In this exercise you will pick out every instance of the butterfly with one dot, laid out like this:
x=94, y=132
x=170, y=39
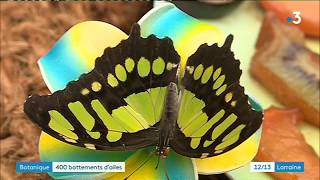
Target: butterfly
x=134, y=98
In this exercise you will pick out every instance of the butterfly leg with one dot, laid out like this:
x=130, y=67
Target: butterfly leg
x=124, y=146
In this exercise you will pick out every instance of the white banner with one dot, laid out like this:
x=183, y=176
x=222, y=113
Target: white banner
x=88, y=166
x=262, y=167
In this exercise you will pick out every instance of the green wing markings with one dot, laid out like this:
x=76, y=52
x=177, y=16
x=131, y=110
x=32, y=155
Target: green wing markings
x=106, y=117
x=194, y=123
x=218, y=82
x=214, y=115
x=221, y=89
x=216, y=74
x=129, y=64
x=199, y=132
x=94, y=135
x=127, y=120
x=185, y=98
x=80, y=112
x=195, y=142
x=235, y=132
x=228, y=97
x=121, y=72
x=138, y=117
x=85, y=91
x=148, y=104
x=207, y=143
x=61, y=125
x=112, y=81
x=192, y=120
x=197, y=122
x=143, y=67
x=114, y=128
x=142, y=104
x=223, y=126
x=84, y=117
x=190, y=107
x=198, y=72
x=231, y=138
x=96, y=86
x=141, y=113
x=207, y=75
x=158, y=66
x=114, y=136
x=158, y=97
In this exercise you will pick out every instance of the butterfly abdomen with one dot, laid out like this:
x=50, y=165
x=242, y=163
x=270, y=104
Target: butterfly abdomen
x=168, y=119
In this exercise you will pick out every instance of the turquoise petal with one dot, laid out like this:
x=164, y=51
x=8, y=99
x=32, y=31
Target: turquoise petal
x=53, y=150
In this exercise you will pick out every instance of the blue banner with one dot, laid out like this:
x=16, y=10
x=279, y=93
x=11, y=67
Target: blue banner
x=289, y=166
x=33, y=167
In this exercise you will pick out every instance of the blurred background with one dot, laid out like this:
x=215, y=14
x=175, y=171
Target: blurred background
x=29, y=30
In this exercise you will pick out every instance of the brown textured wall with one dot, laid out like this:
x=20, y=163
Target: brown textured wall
x=28, y=30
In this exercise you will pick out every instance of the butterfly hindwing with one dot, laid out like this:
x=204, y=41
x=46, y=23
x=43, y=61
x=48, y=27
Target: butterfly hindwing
x=116, y=106
x=214, y=115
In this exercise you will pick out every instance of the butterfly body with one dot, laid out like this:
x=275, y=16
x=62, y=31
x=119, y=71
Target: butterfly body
x=168, y=121
x=131, y=100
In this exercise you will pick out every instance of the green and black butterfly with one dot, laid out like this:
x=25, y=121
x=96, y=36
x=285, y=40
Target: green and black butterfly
x=133, y=99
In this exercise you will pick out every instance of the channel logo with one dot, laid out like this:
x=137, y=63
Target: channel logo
x=295, y=18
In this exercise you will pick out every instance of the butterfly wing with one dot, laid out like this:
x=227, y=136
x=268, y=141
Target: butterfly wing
x=214, y=114
x=116, y=106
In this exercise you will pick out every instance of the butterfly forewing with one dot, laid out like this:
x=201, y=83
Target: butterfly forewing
x=214, y=115
x=116, y=106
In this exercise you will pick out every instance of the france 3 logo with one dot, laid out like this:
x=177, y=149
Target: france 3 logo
x=296, y=19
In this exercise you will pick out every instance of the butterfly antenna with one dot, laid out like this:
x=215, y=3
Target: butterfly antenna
x=165, y=169
x=147, y=159
x=158, y=162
